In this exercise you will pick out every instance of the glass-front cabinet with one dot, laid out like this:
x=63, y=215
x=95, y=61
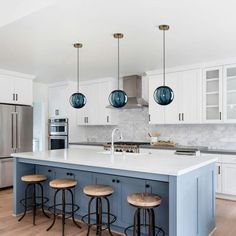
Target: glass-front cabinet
x=212, y=95
x=230, y=93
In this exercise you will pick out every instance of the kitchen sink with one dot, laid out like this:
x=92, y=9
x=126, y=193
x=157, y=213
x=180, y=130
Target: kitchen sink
x=121, y=153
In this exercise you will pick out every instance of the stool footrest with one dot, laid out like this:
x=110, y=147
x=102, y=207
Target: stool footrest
x=59, y=211
x=113, y=219
x=22, y=201
x=159, y=229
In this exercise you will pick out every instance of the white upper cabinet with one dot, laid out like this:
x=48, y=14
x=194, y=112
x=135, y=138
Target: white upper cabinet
x=16, y=90
x=95, y=112
x=212, y=95
x=186, y=106
x=229, y=98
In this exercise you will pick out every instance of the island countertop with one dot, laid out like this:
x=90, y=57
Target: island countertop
x=163, y=164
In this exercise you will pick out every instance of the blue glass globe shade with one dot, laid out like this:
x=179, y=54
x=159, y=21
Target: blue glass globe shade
x=77, y=100
x=163, y=95
x=118, y=98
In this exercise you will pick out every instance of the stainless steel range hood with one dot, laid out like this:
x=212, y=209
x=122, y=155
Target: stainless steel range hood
x=132, y=85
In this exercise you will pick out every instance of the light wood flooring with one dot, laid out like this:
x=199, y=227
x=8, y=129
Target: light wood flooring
x=9, y=226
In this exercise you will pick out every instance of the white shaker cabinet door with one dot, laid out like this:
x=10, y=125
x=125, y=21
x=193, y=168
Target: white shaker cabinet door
x=156, y=111
x=190, y=92
x=6, y=90
x=228, y=179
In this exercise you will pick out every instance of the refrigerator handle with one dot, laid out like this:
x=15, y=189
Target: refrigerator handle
x=12, y=133
x=17, y=132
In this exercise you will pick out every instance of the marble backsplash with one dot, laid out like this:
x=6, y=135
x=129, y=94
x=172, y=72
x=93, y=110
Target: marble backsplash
x=134, y=126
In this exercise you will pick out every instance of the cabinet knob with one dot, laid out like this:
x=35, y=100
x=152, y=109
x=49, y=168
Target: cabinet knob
x=147, y=186
x=113, y=181
x=117, y=181
x=49, y=170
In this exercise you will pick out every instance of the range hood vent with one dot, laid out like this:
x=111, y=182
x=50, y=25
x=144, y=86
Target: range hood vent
x=132, y=85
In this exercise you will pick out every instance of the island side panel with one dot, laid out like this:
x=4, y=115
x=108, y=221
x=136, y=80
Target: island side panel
x=192, y=202
x=20, y=169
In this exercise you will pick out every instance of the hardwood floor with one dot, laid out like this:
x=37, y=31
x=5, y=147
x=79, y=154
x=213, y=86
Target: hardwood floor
x=9, y=226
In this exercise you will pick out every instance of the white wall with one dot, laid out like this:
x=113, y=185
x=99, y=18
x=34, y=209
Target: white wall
x=40, y=98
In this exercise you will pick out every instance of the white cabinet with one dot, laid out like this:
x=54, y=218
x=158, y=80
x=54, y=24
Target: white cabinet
x=16, y=90
x=228, y=178
x=95, y=112
x=186, y=106
x=218, y=176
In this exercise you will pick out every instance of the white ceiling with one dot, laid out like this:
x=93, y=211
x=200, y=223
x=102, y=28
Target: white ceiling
x=40, y=43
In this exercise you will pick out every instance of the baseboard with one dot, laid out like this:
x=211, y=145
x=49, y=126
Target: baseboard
x=226, y=196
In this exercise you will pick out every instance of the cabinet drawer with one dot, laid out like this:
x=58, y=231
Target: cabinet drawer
x=228, y=159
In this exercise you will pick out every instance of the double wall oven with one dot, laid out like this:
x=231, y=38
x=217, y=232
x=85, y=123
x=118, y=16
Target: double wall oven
x=58, y=133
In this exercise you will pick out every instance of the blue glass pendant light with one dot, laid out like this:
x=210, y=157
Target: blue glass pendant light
x=163, y=95
x=118, y=98
x=77, y=100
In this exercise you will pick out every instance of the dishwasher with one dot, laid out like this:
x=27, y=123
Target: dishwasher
x=6, y=172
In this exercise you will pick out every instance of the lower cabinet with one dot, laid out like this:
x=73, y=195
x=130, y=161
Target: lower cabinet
x=228, y=178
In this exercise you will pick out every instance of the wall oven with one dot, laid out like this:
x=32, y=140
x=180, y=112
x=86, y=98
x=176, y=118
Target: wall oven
x=58, y=134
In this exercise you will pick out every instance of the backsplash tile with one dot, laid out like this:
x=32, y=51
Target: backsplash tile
x=134, y=126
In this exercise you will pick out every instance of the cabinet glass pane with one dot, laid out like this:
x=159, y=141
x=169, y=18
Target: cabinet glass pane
x=231, y=72
x=212, y=99
x=231, y=98
x=212, y=113
x=212, y=74
x=231, y=84
x=212, y=86
x=231, y=111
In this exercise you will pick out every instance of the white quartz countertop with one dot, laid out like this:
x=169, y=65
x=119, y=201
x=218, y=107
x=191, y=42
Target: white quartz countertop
x=165, y=164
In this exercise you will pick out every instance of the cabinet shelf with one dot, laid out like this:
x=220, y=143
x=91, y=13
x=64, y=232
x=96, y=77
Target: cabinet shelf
x=212, y=106
x=231, y=77
x=212, y=79
x=231, y=91
x=212, y=93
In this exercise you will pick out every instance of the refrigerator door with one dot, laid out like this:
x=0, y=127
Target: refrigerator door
x=24, y=129
x=7, y=136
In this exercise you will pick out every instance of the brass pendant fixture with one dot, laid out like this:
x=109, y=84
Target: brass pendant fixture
x=78, y=100
x=163, y=95
x=118, y=98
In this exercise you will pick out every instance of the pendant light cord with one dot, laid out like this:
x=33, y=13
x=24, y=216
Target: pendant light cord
x=78, y=69
x=164, y=59
x=118, y=71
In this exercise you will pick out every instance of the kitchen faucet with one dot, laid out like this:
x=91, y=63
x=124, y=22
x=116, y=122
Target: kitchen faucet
x=112, y=139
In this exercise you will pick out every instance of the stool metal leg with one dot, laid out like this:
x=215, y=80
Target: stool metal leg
x=99, y=216
x=63, y=212
x=54, y=210
x=89, y=211
x=137, y=231
x=73, y=207
x=25, y=210
x=151, y=215
x=108, y=216
x=34, y=203
x=42, y=200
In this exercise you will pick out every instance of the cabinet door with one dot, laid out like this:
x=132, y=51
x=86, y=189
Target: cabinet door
x=48, y=191
x=218, y=177
x=229, y=99
x=24, y=91
x=228, y=178
x=6, y=90
x=172, y=111
x=190, y=106
x=161, y=212
x=156, y=111
x=128, y=186
x=83, y=113
x=212, y=95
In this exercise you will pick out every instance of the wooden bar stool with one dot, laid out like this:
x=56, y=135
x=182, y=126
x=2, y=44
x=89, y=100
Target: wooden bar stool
x=33, y=181
x=63, y=185
x=99, y=192
x=145, y=202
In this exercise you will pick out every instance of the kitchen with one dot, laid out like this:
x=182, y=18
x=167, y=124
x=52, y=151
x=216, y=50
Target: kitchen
x=151, y=121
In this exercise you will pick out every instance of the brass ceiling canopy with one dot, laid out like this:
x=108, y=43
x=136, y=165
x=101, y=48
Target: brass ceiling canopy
x=164, y=27
x=78, y=45
x=118, y=35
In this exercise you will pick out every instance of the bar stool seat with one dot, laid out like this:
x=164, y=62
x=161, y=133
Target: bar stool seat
x=34, y=178
x=98, y=190
x=63, y=183
x=144, y=200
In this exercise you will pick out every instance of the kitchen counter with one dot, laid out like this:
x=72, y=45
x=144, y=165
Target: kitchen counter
x=200, y=148
x=185, y=183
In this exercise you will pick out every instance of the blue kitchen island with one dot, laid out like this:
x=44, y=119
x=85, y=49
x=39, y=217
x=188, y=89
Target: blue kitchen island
x=186, y=184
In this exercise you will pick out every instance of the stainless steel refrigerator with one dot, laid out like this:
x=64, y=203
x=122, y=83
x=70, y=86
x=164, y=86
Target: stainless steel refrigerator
x=16, y=135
